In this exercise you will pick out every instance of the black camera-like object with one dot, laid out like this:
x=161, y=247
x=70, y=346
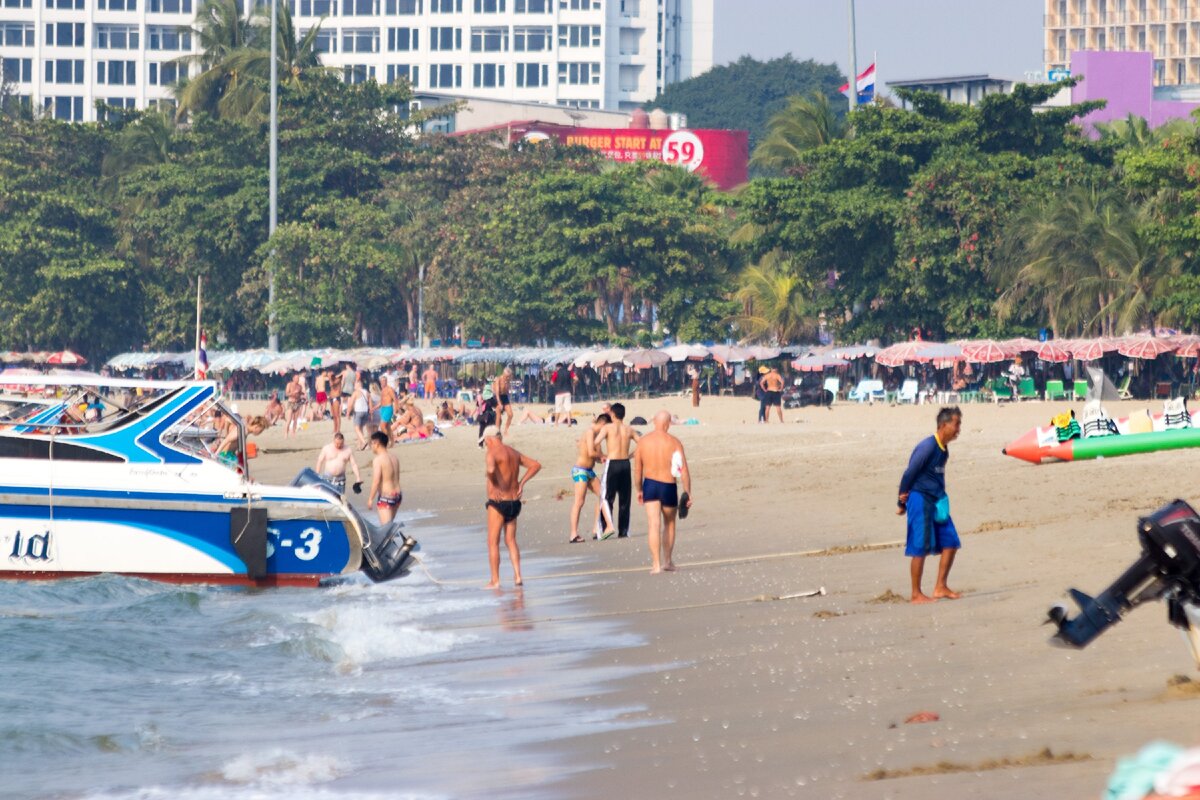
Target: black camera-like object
x=1168, y=569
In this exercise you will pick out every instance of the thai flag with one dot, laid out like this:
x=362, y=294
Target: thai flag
x=866, y=85
x=202, y=358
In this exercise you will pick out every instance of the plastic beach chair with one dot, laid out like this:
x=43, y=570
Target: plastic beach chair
x=876, y=391
x=1001, y=390
x=1055, y=390
x=1026, y=389
x=833, y=386
x=1123, y=390
x=908, y=392
x=1080, y=390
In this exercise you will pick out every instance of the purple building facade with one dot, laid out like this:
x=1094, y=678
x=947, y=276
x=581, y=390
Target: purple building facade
x=1126, y=81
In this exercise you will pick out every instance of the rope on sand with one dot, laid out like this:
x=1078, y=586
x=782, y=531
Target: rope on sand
x=716, y=562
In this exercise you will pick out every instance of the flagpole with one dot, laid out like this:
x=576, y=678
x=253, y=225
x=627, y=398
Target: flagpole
x=853, y=60
x=875, y=64
x=196, y=367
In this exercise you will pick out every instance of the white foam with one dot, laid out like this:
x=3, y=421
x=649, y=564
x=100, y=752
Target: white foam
x=250, y=793
x=279, y=767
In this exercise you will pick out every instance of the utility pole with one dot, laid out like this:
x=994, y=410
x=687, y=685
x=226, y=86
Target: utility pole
x=853, y=60
x=272, y=333
x=421, y=306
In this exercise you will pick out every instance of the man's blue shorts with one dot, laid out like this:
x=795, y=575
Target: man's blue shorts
x=927, y=536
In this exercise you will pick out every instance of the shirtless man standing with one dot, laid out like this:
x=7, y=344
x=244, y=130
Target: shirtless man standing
x=385, y=480
x=335, y=399
x=501, y=387
x=617, y=483
x=659, y=460
x=294, y=393
x=772, y=384
x=583, y=476
x=321, y=385
x=504, y=488
x=387, y=406
x=332, y=461
x=430, y=378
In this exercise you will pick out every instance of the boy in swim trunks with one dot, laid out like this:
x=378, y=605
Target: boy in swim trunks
x=387, y=406
x=504, y=489
x=923, y=498
x=583, y=476
x=385, y=482
x=657, y=462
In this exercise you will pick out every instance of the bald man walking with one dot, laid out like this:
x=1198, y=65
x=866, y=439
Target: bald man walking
x=657, y=462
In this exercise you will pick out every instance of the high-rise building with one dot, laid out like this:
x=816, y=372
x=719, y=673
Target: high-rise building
x=63, y=55
x=1168, y=29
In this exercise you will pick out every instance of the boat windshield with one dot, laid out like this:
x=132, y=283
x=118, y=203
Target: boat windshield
x=211, y=432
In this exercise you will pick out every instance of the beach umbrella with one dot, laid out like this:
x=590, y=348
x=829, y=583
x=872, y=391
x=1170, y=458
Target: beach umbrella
x=985, y=351
x=1021, y=344
x=1189, y=346
x=613, y=355
x=1051, y=351
x=728, y=353
x=855, y=351
x=901, y=353
x=65, y=357
x=643, y=359
x=1147, y=348
x=818, y=362
x=939, y=353
x=761, y=353
x=1093, y=349
x=684, y=352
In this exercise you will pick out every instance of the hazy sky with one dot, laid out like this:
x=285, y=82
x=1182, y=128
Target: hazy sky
x=914, y=38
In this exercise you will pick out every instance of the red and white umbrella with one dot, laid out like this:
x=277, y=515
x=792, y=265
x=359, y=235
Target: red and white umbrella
x=1147, y=347
x=65, y=357
x=1189, y=346
x=1021, y=344
x=1093, y=349
x=985, y=351
x=1054, y=352
x=901, y=353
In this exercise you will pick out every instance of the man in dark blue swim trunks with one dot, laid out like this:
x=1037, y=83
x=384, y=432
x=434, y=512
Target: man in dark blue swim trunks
x=504, y=488
x=657, y=462
x=923, y=498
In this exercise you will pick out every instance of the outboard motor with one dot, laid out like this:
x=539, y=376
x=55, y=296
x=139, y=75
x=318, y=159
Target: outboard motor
x=387, y=549
x=1168, y=568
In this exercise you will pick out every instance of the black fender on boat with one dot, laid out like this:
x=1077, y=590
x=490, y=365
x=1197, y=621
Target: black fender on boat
x=387, y=549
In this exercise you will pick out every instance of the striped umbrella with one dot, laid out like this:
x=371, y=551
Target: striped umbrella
x=901, y=353
x=1093, y=349
x=1054, y=352
x=1189, y=346
x=1021, y=344
x=985, y=351
x=1147, y=348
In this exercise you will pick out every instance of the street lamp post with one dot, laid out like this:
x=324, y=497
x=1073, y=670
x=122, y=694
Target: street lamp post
x=272, y=333
x=853, y=60
x=421, y=306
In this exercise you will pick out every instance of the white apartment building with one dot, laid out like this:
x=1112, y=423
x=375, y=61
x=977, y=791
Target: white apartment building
x=1168, y=29
x=63, y=55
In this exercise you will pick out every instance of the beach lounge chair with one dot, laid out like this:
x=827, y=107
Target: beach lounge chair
x=868, y=391
x=1123, y=390
x=877, y=391
x=861, y=392
x=1081, y=390
x=1175, y=414
x=1026, y=389
x=833, y=386
x=1055, y=390
x=1095, y=421
x=1001, y=390
x=908, y=392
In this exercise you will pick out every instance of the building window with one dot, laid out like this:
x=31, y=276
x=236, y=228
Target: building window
x=578, y=35
x=489, y=76
x=17, y=4
x=116, y=73
x=403, y=39
x=165, y=37
x=530, y=76
x=579, y=103
x=445, y=76
x=407, y=7
x=117, y=37
x=118, y=5
x=1101, y=41
x=64, y=34
x=533, y=6
x=358, y=73
x=578, y=73
x=360, y=40
x=489, y=6
x=532, y=40
x=445, y=6
x=579, y=5
x=17, y=70
x=64, y=5
x=166, y=73
x=360, y=8
x=316, y=8
x=408, y=72
x=489, y=40
x=64, y=70
x=16, y=34
x=445, y=38
x=65, y=108
x=170, y=6
x=325, y=41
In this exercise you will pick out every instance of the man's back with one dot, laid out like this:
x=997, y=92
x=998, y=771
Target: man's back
x=618, y=436
x=388, y=467
x=655, y=451
x=503, y=479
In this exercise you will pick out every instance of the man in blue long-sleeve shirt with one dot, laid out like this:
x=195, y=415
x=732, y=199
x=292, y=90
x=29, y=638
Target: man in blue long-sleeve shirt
x=923, y=498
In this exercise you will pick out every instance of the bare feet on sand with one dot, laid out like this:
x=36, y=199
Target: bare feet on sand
x=945, y=593
x=669, y=568
x=493, y=585
x=655, y=570
x=921, y=597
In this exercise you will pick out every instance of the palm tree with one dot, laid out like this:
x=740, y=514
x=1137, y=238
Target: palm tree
x=143, y=142
x=805, y=123
x=219, y=30
x=1133, y=132
x=1137, y=268
x=775, y=302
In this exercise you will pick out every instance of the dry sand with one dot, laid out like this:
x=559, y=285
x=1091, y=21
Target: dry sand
x=740, y=695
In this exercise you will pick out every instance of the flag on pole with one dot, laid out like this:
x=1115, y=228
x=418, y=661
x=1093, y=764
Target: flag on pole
x=202, y=358
x=866, y=85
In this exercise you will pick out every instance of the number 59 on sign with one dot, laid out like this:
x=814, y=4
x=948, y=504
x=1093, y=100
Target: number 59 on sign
x=683, y=149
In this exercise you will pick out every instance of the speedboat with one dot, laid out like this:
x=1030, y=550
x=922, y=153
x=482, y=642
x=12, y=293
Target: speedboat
x=152, y=479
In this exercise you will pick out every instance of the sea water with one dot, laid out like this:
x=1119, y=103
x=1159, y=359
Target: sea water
x=122, y=689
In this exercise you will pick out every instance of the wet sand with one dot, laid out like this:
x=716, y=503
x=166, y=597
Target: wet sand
x=743, y=695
